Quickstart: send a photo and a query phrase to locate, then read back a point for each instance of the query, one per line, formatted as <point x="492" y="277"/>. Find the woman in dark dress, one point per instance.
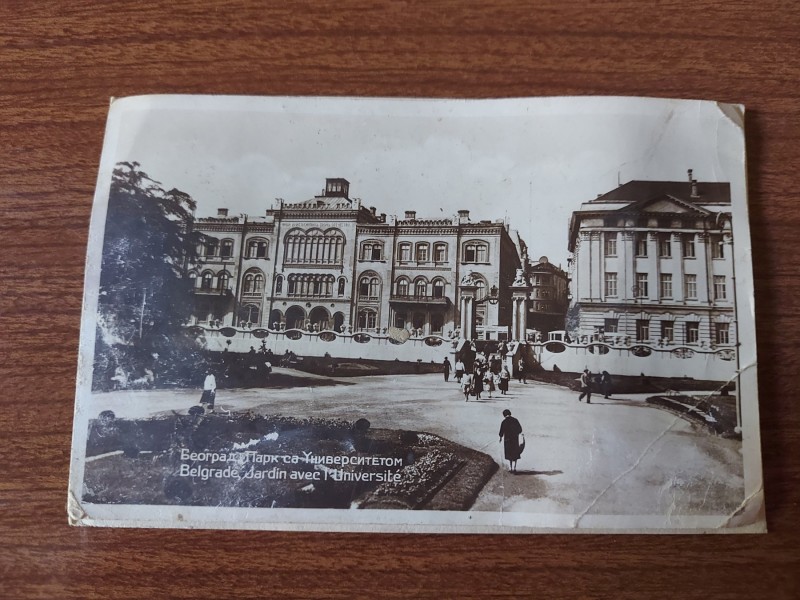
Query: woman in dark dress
<point x="510" y="430"/>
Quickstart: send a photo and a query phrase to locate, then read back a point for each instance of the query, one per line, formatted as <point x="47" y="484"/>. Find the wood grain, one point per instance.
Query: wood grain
<point x="59" y="64"/>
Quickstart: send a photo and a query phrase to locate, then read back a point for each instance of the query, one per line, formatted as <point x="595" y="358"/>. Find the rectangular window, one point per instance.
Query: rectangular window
<point x="377" y="252"/>
<point x="611" y="284"/>
<point x="611" y="325"/>
<point x="641" y="244"/>
<point x="611" y="244"/>
<point x="642" y="330"/>
<point x="665" y="246"/>
<point x="668" y="331"/>
<point x="440" y="253"/>
<point x="422" y="253"/>
<point x="405" y="252"/>
<point x="483" y="253"/>
<point x="665" y="285"/>
<point x="641" y="285"/>
<point x="690" y="287"/>
<point x="687" y="246"/>
<point x="723" y="333"/>
<point x="720" y="288"/>
<point x="717" y="247"/>
<point x="692" y="332"/>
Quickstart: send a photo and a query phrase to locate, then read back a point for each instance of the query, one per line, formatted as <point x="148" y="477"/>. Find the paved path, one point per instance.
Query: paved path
<point x="616" y="456"/>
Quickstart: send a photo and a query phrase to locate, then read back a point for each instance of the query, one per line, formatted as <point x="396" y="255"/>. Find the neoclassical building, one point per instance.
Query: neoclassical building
<point x="330" y="263"/>
<point x="653" y="262"/>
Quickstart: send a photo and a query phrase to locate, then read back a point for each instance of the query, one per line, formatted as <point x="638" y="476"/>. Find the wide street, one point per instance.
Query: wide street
<point x="612" y="457"/>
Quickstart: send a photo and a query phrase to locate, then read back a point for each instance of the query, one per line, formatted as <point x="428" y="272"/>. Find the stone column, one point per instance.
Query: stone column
<point x="468" y="311"/>
<point x="520" y="290"/>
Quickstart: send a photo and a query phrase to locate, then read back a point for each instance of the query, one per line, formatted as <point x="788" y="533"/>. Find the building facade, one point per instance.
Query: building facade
<point x="549" y="296"/>
<point x="653" y="264"/>
<point x="331" y="264"/>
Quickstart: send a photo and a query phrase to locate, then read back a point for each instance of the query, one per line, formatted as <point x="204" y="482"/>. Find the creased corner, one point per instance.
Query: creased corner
<point x="750" y="513"/>
<point x="734" y="113"/>
<point x="75" y="512"/>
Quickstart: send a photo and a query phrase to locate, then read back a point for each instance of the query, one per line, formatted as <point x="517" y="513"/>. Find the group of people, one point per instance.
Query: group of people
<point x="486" y="375"/>
<point x="589" y="383"/>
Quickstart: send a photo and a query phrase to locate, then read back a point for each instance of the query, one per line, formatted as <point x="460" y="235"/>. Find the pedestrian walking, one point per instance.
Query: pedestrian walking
<point x="477" y="382"/>
<point x="605" y="384"/>
<point x="505" y="377"/>
<point x="586" y="386"/>
<point x="488" y="381"/>
<point x="510" y="432"/>
<point x="459" y="370"/>
<point x="521" y="371"/>
<point x="446" y="369"/>
<point x="209" y="390"/>
<point x="466" y="386"/>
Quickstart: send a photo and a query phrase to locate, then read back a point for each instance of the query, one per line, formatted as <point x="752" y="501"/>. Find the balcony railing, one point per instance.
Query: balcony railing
<point x="213" y="291"/>
<point x="415" y="299"/>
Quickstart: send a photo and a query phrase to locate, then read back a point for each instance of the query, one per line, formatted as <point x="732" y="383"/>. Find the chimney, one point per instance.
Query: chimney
<point x="372" y="210"/>
<point x="690" y="175"/>
<point x="695" y="194"/>
<point x="463" y="214"/>
<point x="222" y="212"/>
<point x="383" y="218"/>
<point x="411" y="214"/>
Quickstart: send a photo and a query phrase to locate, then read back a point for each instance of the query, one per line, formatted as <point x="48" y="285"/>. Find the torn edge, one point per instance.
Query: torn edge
<point x="733" y="112"/>
<point x="75" y="512"/>
<point x="749" y="512"/>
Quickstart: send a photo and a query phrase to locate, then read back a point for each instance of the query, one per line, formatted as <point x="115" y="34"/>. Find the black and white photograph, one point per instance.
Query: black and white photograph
<point x="352" y="314"/>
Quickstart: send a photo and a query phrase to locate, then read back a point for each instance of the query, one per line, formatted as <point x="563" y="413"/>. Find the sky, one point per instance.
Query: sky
<point x="530" y="161"/>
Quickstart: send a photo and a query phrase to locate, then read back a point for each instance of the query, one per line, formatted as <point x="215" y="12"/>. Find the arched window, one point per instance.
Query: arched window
<point x="480" y="309"/>
<point x="279" y="284"/>
<point x="405" y="252"/>
<point x="211" y="247"/>
<point x="402" y="286"/>
<point x="367" y="318"/>
<point x="310" y="285"/>
<point x="223" y="281"/>
<point x="257" y="248"/>
<point x="369" y="286"/>
<point x="253" y="283"/>
<point x="420" y="288"/>
<point x="438" y="288"/>
<point x="476" y="252"/>
<point x="440" y="252"/>
<point x="372" y="250"/>
<point x="341" y="289"/>
<point x="422" y="252"/>
<point x="314" y="247"/>
<point x="226" y="249"/>
<point x="207" y="280"/>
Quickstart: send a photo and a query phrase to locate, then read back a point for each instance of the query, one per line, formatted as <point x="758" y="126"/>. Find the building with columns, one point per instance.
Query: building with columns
<point x="330" y="263"/>
<point x="653" y="263"/>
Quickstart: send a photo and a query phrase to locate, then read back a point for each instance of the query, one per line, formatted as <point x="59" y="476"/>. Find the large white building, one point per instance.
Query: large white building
<point x="331" y="264"/>
<point x="653" y="264"/>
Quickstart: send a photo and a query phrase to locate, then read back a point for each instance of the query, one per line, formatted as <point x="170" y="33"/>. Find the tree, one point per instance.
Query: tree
<point x="145" y="297"/>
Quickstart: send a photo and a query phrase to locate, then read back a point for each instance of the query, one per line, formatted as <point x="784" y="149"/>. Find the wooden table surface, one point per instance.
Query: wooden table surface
<point x="59" y="64"/>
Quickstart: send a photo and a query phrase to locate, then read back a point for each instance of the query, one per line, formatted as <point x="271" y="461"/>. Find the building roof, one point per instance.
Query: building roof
<point x="707" y="192"/>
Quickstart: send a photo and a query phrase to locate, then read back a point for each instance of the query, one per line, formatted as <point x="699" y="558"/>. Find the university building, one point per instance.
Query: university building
<point x="331" y="264"/>
<point x="653" y="263"/>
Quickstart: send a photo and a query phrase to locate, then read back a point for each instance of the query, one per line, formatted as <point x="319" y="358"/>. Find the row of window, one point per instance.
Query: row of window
<point x="328" y="248"/>
<point x="664" y="245"/>
<point x="367" y="318"/>
<point x="691" y="330"/>
<point x="256" y="248"/>
<point x="642" y="289"/>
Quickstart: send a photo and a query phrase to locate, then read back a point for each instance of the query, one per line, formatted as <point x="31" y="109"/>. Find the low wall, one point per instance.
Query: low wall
<point x="375" y="345"/>
<point x="654" y="361"/>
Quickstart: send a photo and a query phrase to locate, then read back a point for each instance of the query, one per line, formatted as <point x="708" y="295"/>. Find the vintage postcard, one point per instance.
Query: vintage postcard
<point x="354" y="314"/>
